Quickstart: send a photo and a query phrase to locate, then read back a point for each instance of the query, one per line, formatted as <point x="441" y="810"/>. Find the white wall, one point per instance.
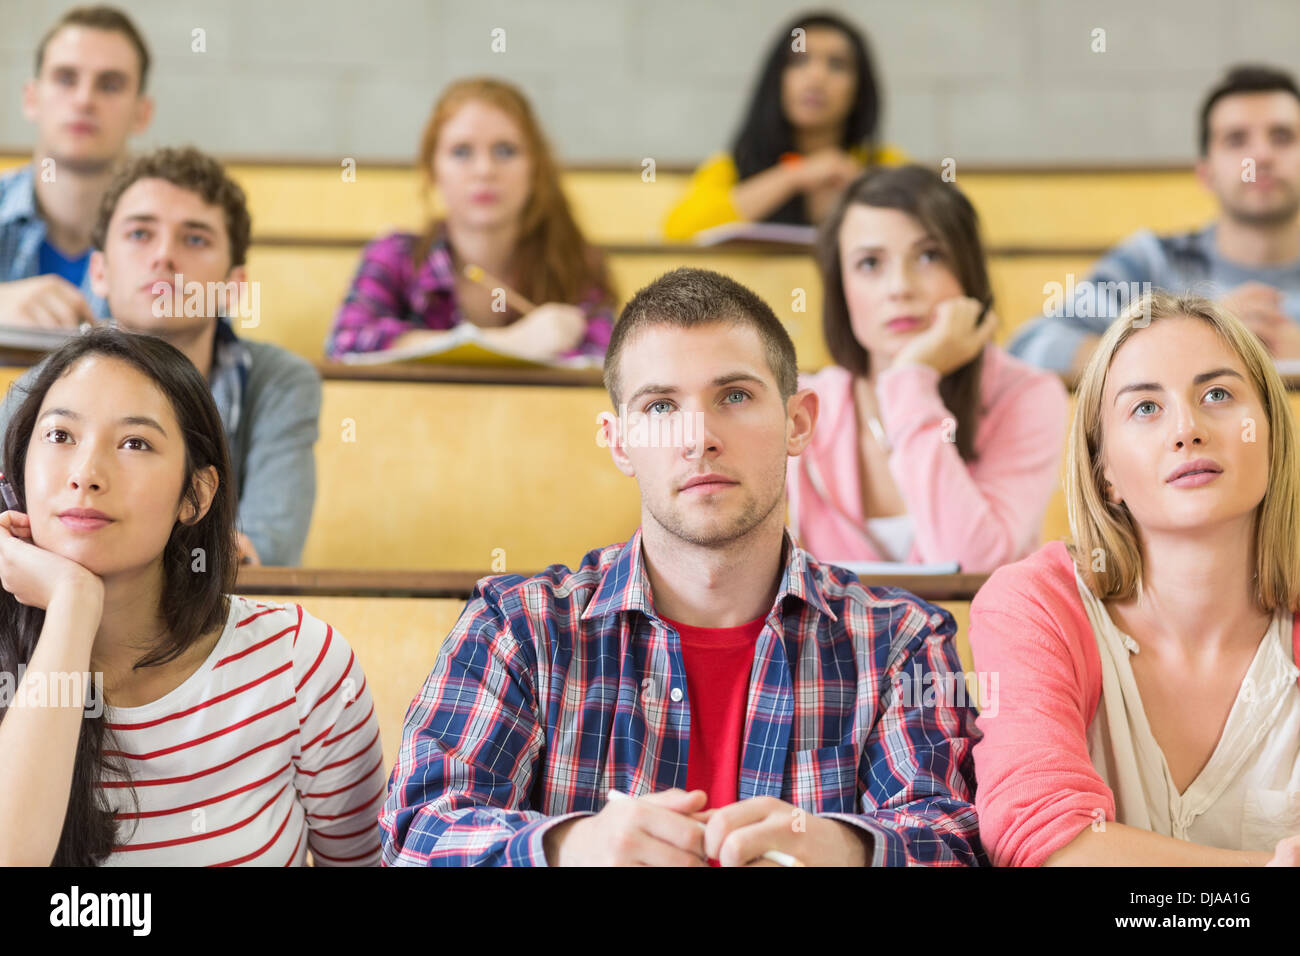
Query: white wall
<point x="983" y="81"/>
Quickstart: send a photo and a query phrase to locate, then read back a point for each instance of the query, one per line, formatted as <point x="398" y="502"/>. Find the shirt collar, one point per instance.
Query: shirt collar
<point x="625" y="586"/>
<point x="225" y="335"/>
<point x="229" y="351"/>
<point x="18" y="201"/>
<point x="800" y="579"/>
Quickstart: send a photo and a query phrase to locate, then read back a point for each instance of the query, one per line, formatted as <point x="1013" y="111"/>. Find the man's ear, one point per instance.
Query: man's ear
<point x="801" y="411"/>
<point x="99" y="273"/>
<point x="29" y="101"/>
<point x="143" y="114"/>
<point x="237" y="274"/>
<point x="611" y="436"/>
<point x="205" y="489"/>
<point x="1202" y="170"/>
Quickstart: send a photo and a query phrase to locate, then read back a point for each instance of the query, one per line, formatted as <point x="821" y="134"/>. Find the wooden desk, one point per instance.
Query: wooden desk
<point x="468" y="374"/>
<point x="20" y="358"/>
<point x="369" y="583"/>
<point x="20" y="361"/>
<point x="356" y="582"/>
<point x="486" y="375"/>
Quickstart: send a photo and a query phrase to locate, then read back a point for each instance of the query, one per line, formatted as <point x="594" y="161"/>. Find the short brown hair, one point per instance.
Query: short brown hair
<point x="947" y="215"/>
<point x="1248" y="78"/>
<point x="686" y="298"/>
<point x="110" y="19"/>
<point x="192" y="170"/>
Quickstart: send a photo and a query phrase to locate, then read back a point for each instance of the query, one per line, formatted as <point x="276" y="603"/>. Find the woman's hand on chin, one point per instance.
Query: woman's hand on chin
<point x="956" y="336"/>
<point x="37" y="577"/>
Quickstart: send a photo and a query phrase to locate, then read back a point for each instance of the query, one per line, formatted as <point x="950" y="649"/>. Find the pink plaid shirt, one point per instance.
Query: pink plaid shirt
<point x="390" y="295"/>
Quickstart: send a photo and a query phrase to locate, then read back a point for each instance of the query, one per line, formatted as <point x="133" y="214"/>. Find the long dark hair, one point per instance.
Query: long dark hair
<point x="192" y="604"/>
<point x="947" y="215"/>
<point x="766" y="134"/>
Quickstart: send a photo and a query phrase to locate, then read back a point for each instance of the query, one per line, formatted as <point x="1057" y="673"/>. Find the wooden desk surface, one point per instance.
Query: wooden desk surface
<point x="325" y="582"/>
<point x="487" y="375"/>
<point x="474" y="374"/>
<point x="469" y="374"/>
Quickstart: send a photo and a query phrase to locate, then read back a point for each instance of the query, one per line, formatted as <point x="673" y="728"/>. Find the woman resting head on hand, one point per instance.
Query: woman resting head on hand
<point x="933" y="444"/>
<point x="121" y="564"/>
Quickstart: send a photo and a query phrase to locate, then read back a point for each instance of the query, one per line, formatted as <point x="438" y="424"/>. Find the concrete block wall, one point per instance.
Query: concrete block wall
<point x="614" y="81"/>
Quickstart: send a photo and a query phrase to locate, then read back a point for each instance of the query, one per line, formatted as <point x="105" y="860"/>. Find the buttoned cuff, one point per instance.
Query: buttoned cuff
<point x="525" y="847"/>
<point x="886" y="845"/>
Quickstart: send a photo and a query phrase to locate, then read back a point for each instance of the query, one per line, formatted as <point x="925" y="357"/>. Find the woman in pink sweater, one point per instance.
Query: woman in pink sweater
<point x="1148" y="709"/>
<point x="933" y="444"/>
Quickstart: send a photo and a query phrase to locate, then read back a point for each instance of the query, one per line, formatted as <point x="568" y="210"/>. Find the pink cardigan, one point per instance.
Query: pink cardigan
<point x="983" y="514"/>
<point x="1036" y="787"/>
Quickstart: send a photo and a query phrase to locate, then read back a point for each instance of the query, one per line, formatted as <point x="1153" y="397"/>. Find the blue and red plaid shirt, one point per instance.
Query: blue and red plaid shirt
<point x="551" y="690"/>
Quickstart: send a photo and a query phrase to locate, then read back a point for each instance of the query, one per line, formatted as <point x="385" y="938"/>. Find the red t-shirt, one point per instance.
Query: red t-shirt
<point x="718" y="662"/>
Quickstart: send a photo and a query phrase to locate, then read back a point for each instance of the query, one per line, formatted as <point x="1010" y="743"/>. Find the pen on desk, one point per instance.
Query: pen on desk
<point x="488" y="281"/>
<point x="776" y="856"/>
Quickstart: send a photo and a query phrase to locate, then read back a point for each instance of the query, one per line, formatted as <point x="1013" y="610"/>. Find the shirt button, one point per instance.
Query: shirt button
<point x="675" y="694"/>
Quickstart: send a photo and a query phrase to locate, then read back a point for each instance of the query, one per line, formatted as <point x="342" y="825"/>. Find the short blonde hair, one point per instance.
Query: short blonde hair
<point x="1098" y="525"/>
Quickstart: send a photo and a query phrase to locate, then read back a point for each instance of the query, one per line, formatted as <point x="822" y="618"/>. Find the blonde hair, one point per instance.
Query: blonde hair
<point x="1100" y="526"/>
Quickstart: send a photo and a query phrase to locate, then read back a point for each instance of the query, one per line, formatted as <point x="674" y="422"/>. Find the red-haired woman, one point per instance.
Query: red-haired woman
<point x="484" y="153"/>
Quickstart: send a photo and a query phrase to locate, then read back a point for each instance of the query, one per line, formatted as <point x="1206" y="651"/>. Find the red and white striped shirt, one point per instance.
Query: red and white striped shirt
<point x="271" y="747"/>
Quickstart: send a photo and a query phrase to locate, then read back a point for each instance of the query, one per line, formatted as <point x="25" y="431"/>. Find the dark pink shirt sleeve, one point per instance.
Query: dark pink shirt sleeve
<point x="600" y="323"/>
<point x="1036" y="786"/>
<point x="374" y="312"/>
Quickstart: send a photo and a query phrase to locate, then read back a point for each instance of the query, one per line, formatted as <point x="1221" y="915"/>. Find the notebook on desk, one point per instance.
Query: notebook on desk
<point x="27" y="338"/>
<point x="465" y="345"/>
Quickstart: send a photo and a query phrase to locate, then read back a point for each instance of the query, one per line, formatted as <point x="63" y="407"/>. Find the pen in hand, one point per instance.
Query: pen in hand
<point x="775" y="856"/>
<point x="10" y="498"/>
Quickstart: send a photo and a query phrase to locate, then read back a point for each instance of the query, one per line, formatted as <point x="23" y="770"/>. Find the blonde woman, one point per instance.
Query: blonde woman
<point x="1149" y="711"/>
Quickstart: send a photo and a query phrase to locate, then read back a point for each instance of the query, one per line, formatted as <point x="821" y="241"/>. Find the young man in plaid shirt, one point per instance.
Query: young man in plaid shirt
<point x="748" y="698"/>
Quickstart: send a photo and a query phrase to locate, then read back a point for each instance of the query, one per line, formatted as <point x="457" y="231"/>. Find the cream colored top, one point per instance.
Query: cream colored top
<point x="894" y="534"/>
<point x="1247" y="796"/>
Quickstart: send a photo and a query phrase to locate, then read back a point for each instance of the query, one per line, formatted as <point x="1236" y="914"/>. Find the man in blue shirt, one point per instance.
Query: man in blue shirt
<point x="170" y="245"/>
<point x="86" y="99"/>
<point x="1248" y="259"/>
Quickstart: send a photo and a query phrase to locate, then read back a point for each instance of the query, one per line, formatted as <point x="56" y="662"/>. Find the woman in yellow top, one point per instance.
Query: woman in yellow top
<point x="808" y="133"/>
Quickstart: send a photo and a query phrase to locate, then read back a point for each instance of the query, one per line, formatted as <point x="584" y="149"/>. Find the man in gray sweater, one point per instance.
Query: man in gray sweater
<point x="170" y="245"/>
<point x="1248" y="258"/>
